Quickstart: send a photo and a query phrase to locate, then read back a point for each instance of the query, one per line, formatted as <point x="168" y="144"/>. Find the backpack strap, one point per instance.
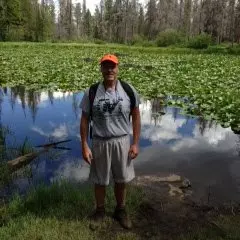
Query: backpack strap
<point x="127" y="88"/>
<point x="91" y="96"/>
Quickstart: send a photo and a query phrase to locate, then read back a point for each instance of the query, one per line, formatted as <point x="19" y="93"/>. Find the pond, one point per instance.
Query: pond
<point x="171" y="143"/>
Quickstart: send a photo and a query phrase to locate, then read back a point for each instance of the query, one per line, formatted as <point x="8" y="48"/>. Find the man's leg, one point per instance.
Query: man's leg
<point x="123" y="172"/>
<point x="99" y="175"/>
<point x="120" y="194"/>
<point x="120" y="213"/>
<point x="100" y="192"/>
<point x="98" y="216"/>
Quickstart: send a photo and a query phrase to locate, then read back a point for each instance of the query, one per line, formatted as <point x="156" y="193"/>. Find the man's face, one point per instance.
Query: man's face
<point x="109" y="70"/>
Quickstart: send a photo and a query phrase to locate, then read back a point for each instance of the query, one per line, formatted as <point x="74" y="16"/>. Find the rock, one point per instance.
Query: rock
<point x="185" y="184"/>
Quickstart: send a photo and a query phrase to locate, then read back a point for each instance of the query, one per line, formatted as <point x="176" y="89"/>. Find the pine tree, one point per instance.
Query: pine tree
<point x="9" y="16"/>
<point x="237" y="22"/>
<point x="187" y="17"/>
<point x="141" y="20"/>
<point x="151" y="20"/>
<point x="78" y="18"/>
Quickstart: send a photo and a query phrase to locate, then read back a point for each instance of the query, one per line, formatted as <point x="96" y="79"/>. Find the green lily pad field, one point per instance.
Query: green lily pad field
<point x="202" y="84"/>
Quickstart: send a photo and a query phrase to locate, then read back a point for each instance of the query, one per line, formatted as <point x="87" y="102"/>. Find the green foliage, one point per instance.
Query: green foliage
<point x="26" y="20"/>
<point x="59" y="200"/>
<point x="209" y="81"/>
<point x="5" y="176"/>
<point x="66" y="200"/>
<point x="9" y="16"/>
<point x="137" y="40"/>
<point x="169" y="37"/>
<point x="10" y="153"/>
<point x="148" y="44"/>
<point x="216" y="49"/>
<point x="235" y="50"/>
<point x="99" y="41"/>
<point x="224" y="227"/>
<point x="60" y="211"/>
<point x="201" y="41"/>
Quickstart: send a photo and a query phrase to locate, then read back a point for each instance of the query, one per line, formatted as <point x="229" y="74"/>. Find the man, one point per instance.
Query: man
<point x="111" y="149"/>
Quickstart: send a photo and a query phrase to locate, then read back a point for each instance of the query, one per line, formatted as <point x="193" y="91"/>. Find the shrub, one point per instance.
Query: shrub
<point x="235" y="50"/>
<point x="201" y="41"/>
<point x="216" y="50"/>
<point x="148" y="44"/>
<point x="136" y="40"/>
<point x="169" y="37"/>
<point x="99" y="41"/>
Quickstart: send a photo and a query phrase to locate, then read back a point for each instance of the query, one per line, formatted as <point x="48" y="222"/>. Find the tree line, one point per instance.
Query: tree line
<point x="120" y="21"/>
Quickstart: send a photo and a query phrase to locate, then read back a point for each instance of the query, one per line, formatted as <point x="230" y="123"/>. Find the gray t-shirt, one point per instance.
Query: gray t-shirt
<point x="110" y="112"/>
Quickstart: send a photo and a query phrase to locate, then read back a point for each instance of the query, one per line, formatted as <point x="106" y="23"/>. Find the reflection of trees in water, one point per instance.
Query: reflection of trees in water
<point x="176" y="112"/>
<point x="30" y="98"/>
<point x="3" y="136"/>
<point x="34" y="99"/>
<point x="158" y="110"/>
<point x="18" y="92"/>
<point x="75" y="105"/>
<point x="1" y="100"/>
<point x="205" y="124"/>
<point x="2" y="131"/>
<point x="238" y="145"/>
<point x="50" y="97"/>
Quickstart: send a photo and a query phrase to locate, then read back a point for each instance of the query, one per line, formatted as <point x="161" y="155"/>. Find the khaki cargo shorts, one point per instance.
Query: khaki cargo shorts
<point x="111" y="156"/>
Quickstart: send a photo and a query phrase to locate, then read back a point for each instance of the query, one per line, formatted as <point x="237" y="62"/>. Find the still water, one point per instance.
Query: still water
<point x="171" y="143"/>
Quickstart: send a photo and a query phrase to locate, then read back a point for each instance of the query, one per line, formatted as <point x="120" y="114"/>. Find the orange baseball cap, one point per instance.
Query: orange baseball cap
<point x="109" y="57"/>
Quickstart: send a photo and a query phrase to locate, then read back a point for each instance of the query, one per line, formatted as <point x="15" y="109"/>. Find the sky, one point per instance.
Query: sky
<point x="91" y="4"/>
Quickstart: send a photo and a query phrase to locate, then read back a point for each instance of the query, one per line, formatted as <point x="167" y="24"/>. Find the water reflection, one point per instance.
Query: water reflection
<point x="170" y="142"/>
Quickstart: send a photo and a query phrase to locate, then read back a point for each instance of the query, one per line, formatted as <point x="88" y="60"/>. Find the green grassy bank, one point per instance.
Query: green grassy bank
<point x="60" y="212"/>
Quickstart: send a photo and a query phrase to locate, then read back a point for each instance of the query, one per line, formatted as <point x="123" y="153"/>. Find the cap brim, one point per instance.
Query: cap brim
<point x="108" y="60"/>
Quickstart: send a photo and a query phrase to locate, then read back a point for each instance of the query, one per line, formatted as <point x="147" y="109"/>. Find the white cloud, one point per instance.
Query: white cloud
<point x="213" y="135"/>
<point x="60" y="132"/>
<point x="164" y="129"/>
<point x="216" y="137"/>
<point x="40" y="131"/>
<point x="72" y="171"/>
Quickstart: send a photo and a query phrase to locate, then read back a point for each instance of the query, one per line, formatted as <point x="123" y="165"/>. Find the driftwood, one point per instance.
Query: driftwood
<point x="24" y="160"/>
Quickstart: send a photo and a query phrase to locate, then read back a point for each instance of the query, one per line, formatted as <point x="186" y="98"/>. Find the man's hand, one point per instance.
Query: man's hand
<point x="133" y="151"/>
<point x="87" y="154"/>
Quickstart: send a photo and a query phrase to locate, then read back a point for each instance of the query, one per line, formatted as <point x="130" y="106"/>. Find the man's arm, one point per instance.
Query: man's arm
<point x="136" y="125"/>
<point x="84" y="126"/>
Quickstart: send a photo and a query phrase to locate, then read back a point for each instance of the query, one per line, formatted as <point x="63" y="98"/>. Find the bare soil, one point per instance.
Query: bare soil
<point x="169" y="212"/>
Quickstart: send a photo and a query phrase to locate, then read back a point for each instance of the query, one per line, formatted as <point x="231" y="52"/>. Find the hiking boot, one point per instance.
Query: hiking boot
<point x="123" y="218"/>
<point x="97" y="218"/>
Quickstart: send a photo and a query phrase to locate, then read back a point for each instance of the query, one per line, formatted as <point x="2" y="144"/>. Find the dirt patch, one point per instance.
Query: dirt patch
<point x="168" y="210"/>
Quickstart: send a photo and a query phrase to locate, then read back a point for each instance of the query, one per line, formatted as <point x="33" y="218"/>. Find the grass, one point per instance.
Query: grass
<point x="224" y="228"/>
<point x="174" y="49"/>
<point x="60" y="212"/>
<point x="9" y="152"/>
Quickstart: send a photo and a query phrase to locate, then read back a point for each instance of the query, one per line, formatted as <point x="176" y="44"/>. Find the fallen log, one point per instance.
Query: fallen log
<point x="24" y="160"/>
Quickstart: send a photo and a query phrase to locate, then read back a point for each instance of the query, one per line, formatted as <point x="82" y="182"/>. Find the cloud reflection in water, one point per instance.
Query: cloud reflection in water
<point x="170" y="142"/>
